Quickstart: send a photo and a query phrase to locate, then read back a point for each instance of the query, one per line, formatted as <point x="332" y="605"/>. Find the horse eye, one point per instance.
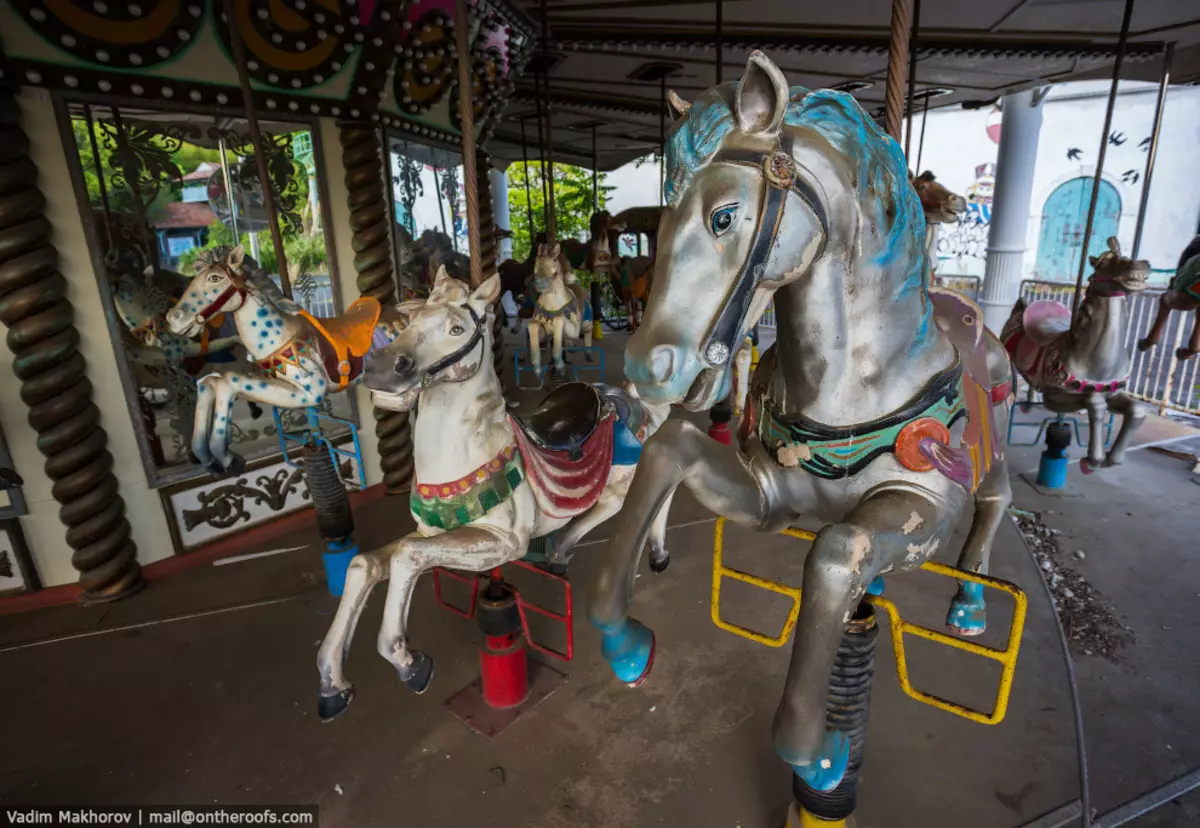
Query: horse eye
<point x="458" y="330"/>
<point x="216" y="277"/>
<point x="722" y="219"/>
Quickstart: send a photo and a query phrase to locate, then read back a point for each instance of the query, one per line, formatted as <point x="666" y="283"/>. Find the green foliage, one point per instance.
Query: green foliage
<point x="572" y="201"/>
<point x="305" y="251"/>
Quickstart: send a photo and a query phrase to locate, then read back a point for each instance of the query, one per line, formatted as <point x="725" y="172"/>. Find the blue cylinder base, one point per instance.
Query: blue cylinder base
<point x="337" y="559"/>
<point x="1052" y="471"/>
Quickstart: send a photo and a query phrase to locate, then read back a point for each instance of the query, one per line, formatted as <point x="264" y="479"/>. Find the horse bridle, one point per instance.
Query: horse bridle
<point x="214" y="307"/>
<point x="450" y="360"/>
<point x="779" y="170"/>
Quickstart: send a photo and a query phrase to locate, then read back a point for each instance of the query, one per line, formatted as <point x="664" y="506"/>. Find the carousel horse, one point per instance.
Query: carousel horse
<point x="515" y="277"/>
<point x="940" y="206"/>
<point x="429" y="252"/>
<point x="297" y="358"/>
<point x="1082" y="363"/>
<point x="596" y="254"/>
<point x="1182" y="294"/>
<point x="881" y="404"/>
<point x="563" y="310"/>
<point x="484" y="482"/>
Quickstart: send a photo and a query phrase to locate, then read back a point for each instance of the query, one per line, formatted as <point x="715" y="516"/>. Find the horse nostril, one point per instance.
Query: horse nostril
<point x="662" y="361"/>
<point x="403" y="365"/>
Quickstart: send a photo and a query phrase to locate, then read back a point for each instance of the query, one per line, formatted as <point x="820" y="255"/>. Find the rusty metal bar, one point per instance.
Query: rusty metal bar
<point x="1108" y="113"/>
<point x="1163" y="82"/>
<point x="552" y="223"/>
<point x="260" y="158"/>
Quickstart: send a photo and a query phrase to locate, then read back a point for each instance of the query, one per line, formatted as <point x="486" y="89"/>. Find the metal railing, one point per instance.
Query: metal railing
<point x="1157" y="375"/>
<point x="969" y="286"/>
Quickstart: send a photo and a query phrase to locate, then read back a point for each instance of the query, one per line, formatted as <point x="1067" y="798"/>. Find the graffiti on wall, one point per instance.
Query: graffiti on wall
<point x="967" y="238"/>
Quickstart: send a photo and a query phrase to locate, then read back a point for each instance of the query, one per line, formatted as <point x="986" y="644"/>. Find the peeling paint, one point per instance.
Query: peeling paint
<point x="914" y="523"/>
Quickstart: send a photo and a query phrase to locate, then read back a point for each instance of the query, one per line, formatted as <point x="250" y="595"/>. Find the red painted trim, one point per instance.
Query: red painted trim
<point x="206" y="554"/>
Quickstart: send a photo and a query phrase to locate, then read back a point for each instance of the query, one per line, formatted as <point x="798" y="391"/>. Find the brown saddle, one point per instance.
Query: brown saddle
<point x="344" y="340"/>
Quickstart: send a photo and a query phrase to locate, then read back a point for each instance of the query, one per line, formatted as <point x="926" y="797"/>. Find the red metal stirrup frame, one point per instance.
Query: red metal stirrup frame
<point x="567" y="618"/>
<point x="471" y="579"/>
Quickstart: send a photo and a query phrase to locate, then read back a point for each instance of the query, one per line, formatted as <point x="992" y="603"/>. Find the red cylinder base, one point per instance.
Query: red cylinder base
<point x="504" y="670"/>
<point x="721" y="433"/>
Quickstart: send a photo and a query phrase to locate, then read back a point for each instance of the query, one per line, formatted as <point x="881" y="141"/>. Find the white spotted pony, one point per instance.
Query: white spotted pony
<point x="297" y="359"/>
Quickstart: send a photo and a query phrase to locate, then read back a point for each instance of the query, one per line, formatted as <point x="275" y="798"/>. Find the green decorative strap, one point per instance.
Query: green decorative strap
<point x="458" y="503"/>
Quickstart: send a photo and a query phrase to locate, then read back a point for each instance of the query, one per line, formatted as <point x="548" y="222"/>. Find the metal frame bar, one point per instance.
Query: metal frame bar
<point x="1163" y="82"/>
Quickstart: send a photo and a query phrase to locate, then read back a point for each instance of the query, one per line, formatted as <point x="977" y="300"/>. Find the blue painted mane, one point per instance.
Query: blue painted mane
<point x="880" y="172"/>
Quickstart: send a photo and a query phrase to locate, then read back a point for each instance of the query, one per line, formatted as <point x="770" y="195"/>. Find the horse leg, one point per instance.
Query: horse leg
<point x="1193" y="346"/>
<point x="560" y="322"/>
<point x="472" y="548"/>
<point x="1097" y="408"/>
<point x="1160" y="322"/>
<point x="886" y="530"/>
<point x="721" y="480"/>
<point x="535" y="347"/>
<point x="225" y="462"/>
<point x="206" y="395"/>
<point x="1132" y="414"/>
<point x="365" y="571"/>
<point x="660" y="559"/>
<point x="968" y="609"/>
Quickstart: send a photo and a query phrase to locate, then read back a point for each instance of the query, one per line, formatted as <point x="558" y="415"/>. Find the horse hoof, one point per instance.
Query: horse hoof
<point x="658" y="565"/>
<point x="330" y="707"/>
<point x="1184" y="354"/>
<point x="1025" y="407"/>
<point x="1087" y="466"/>
<point x="419" y="673"/>
<point x="234" y="466"/>
<point x="628" y="647"/>
<point x="968" y="610"/>
<point x="827" y="771"/>
<point x="255" y="410"/>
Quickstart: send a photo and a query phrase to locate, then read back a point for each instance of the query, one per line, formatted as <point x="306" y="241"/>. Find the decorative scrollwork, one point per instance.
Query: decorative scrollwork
<point x="115" y="34"/>
<point x="450" y="189"/>
<point x="294" y="44"/>
<point x="426" y="71"/>
<point x="142" y="157"/>
<point x="286" y="184"/>
<point x="225" y="506"/>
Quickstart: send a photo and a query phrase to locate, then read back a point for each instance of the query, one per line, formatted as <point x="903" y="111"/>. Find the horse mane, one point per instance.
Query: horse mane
<point x="879" y="169"/>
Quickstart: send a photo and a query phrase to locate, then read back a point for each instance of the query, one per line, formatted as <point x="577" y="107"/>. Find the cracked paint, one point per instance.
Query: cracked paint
<point x="914" y="523"/>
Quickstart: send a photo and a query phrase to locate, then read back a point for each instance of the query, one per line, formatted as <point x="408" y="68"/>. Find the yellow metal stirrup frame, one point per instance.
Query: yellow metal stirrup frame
<point x="1007" y="656"/>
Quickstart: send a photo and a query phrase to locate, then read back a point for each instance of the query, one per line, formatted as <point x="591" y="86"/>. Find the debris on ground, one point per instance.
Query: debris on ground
<point x="1089" y="624"/>
<point x="338" y="788"/>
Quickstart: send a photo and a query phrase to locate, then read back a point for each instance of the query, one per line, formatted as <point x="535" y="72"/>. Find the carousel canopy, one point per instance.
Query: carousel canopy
<point x="608" y="58"/>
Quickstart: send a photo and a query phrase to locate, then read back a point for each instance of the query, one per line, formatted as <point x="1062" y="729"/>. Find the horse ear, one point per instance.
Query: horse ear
<point x="1114" y="245"/>
<point x="677" y="106"/>
<point x="1095" y="260"/>
<point x="927" y="176"/>
<point x="762" y="96"/>
<point x="441" y="274"/>
<point x="486" y="293"/>
<point x="236" y="256"/>
<point x="199" y="265"/>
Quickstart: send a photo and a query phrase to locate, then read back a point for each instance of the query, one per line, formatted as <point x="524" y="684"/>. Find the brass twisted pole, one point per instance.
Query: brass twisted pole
<point x="897" y="67"/>
<point x="466" y="117"/>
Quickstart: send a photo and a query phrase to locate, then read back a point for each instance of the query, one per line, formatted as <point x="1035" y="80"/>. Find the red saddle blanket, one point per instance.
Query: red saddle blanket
<point x="563" y="487"/>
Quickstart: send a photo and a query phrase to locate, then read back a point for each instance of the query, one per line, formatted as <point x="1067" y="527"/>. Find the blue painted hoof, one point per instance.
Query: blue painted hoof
<point x="968" y="610"/>
<point x="876" y="586"/>
<point x="628" y="647"/>
<point x="826" y="771"/>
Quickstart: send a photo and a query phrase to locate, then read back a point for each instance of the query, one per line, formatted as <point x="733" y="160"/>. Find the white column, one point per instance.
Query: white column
<point x="500" y="214"/>
<point x="1019" y="128"/>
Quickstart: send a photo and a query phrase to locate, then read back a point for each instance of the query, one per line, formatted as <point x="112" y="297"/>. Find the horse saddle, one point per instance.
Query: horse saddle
<point x="567" y="448"/>
<point x="565" y="420"/>
<point x="344" y="340"/>
<point x="1045" y="321"/>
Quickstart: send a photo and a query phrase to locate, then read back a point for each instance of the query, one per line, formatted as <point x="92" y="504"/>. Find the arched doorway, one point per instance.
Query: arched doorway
<point x="1063" y="221"/>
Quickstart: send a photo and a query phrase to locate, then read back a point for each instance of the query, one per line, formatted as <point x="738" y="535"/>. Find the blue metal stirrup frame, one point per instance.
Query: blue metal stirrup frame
<point x="779" y="173"/>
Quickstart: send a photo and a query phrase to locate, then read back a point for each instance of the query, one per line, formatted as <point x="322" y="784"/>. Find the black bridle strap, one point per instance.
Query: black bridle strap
<point x="778" y="170"/>
<point x="453" y="359"/>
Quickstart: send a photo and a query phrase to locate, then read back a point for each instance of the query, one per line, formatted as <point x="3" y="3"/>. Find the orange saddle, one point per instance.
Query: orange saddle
<point x="344" y="340"/>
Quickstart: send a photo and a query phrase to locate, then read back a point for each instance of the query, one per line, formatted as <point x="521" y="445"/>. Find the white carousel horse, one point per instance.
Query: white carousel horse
<point x="484" y="482"/>
<point x="297" y="358"/>
<point x="563" y="310"/>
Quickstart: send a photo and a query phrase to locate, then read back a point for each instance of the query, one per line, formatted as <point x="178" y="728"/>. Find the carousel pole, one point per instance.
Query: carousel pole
<point x="466" y="117"/>
<point x="1160" y="104"/>
<point x="897" y="66"/>
<point x="1108" y="114"/>
<point x="597" y="328"/>
<point x="537" y="94"/>
<point x="528" y="197"/>
<point x="921" y="143"/>
<point x="912" y="79"/>
<point x="260" y="157"/>
<point x="721" y="414"/>
<point x="552" y="223"/>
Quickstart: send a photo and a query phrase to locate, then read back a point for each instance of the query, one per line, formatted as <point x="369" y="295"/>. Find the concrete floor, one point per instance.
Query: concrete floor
<point x="221" y="707"/>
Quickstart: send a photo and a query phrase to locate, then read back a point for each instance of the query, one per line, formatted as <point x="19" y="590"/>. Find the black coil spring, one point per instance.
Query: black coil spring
<point x="328" y="493"/>
<point x="847" y="710"/>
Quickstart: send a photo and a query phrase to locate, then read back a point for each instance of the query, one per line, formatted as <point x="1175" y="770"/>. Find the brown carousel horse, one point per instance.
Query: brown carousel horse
<point x="940" y="206"/>
<point x="1183" y="294"/>
<point x="515" y="276"/>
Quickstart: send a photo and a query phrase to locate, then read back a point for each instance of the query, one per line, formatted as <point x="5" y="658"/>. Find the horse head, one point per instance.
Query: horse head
<point x="441" y="339"/>
<point x="549" y="266"/>
<point x="219" y="286"/>
<point x="1114" y="274"/>
<point x="141" y="306"/>
<point x="940" y="205"/>
<point x="764" y="187"/>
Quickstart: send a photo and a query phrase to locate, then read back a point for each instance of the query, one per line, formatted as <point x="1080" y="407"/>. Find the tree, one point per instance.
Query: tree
<point x="572" y="201"/>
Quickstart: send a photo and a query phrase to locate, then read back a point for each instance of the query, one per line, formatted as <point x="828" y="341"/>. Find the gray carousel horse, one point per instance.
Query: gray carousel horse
<point x="1082" y="363"/>
<point x="879" y="411"/>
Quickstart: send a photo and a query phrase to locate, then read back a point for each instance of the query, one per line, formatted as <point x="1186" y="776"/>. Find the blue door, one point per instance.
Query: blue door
<point x="1063" y="221"/>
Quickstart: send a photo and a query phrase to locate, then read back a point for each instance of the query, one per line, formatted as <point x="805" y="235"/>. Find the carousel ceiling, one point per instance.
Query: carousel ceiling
<point x="608" y="58"/>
